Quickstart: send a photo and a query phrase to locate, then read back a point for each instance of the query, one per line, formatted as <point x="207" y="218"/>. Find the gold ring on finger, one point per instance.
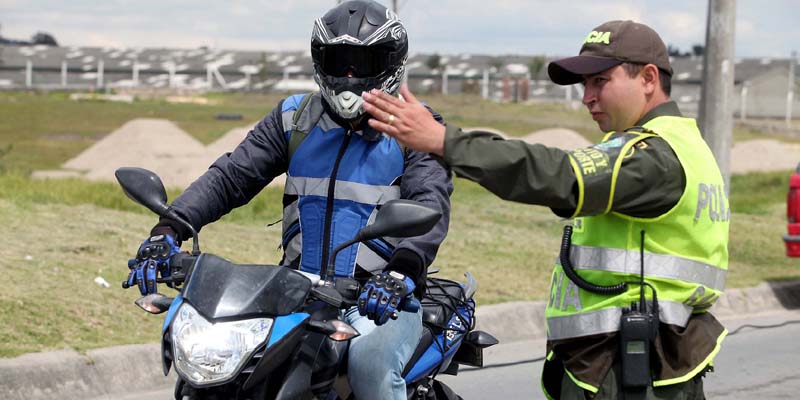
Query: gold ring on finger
<point x="391" y="119"/>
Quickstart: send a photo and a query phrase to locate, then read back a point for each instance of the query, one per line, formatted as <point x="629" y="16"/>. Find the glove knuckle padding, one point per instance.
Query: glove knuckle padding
<point x="152" y="259"/>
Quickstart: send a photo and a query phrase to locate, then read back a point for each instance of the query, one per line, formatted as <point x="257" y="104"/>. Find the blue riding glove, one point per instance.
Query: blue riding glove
<point x="383" y="294"/>
<point x="151" y="260"/>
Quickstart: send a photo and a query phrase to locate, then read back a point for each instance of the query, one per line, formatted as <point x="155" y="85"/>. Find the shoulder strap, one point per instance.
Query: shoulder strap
<point x="297" y="135"/>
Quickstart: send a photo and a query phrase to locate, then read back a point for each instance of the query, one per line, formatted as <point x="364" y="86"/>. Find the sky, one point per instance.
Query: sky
<point x="524" y="27"/>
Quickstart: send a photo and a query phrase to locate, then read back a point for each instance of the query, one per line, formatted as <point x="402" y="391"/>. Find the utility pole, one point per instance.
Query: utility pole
<point x="715" y="117"/>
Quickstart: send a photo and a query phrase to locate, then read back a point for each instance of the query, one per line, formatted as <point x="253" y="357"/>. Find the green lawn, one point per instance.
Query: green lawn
<point x="63" y="234"/>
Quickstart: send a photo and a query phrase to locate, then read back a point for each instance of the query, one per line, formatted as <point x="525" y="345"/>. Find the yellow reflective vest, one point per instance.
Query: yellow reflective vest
<point x="685" y="249"/>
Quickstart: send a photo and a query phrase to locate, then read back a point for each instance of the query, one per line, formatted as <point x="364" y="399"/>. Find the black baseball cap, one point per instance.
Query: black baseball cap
<point x="609" y="45"/>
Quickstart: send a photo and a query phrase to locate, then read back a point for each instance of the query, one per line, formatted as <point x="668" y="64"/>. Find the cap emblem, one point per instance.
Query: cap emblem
<point x="598" y="37"/>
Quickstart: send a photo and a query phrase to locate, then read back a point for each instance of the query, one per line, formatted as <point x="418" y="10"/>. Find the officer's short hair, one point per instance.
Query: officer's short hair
<point x="664" y="77"/>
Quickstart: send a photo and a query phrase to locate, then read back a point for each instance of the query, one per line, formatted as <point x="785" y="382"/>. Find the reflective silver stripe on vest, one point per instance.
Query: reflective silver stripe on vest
<point x="287" y="117"/>
<point x="366" y="258"/>
<point x="655" y="265"/>
<point x="293" y="250"/>
<point x="607" y="320"/>
<point x="369" y="260"/>
<point x="294" y="247"/>
<point x="345" y="190"/>
<point x="290" y="214"/>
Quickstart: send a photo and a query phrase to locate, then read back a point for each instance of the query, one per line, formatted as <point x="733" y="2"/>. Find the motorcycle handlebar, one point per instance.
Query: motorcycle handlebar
<point x="181" y="265"/>
<point x="411" y="305"/>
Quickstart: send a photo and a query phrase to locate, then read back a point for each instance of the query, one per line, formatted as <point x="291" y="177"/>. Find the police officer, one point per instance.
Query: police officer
<point x="649" y="197"/>
<point x="339" y="172"/>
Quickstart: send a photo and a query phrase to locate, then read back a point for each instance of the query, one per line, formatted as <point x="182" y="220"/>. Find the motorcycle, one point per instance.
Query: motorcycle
<point x="271" y="332"/>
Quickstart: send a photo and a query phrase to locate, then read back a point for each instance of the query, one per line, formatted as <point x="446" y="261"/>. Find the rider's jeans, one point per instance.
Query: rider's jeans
<point x="379" y="355"/>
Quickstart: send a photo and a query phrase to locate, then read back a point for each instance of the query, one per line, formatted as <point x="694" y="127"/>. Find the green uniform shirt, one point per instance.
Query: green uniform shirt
<point x="650" y="181"/>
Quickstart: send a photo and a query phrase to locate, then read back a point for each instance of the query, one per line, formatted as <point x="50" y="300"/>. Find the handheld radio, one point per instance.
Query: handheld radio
<point x="638" y="329"/>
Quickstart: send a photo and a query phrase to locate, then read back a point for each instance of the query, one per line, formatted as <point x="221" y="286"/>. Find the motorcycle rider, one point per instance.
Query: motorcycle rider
<point x="339" y="172"/>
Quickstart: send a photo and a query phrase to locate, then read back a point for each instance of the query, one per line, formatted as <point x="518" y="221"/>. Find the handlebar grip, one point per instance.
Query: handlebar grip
<point x="411" y="305"/>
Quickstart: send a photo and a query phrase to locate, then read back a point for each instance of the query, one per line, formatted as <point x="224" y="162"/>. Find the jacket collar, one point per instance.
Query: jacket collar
<point x="668" y="109"/>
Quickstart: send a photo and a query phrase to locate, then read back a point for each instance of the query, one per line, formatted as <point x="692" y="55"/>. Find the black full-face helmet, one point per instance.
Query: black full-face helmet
<point x="357" y="46"/>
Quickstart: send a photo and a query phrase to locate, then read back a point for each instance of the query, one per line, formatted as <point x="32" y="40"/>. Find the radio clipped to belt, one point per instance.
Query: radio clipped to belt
<point x="638" y="324"/>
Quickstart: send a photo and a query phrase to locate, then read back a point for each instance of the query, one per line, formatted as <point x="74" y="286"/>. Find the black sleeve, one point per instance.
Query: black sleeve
<point x="236" y="177"/>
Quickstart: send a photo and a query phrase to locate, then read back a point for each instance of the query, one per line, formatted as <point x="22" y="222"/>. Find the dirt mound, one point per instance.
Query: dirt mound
<point x="764" y="155"/>
<point x="561" y="138"/>
<point x="156" y="144"/>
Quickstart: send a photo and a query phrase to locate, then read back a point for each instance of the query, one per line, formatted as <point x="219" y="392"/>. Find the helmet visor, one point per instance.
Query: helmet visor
<point x="361" y="61"/>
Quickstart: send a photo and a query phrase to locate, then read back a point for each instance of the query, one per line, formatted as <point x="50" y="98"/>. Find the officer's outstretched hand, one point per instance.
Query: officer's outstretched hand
<point x="384" y="294"/>
<point x="151" y="260"/>
<point x="406" y="119"/>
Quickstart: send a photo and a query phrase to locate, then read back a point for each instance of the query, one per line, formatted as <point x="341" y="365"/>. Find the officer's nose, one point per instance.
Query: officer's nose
<point x="589" y="95"/>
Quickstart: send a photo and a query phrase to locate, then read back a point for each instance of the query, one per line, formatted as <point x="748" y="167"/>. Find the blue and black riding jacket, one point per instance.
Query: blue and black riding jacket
<point x="337" y="178"/>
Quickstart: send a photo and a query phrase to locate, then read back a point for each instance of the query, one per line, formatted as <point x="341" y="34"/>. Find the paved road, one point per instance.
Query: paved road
<point x="762" y="363"/>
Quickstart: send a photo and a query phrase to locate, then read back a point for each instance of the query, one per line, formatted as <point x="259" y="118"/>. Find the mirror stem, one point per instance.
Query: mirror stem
<point x="195" y="239"/>
<point x="331" y="269"/>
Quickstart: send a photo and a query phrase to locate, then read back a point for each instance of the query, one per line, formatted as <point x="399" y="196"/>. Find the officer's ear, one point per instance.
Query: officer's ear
<point x="649" y="76"/>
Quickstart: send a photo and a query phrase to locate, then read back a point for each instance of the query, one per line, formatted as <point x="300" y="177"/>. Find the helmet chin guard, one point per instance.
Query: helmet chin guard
<point x="347" y="105"/>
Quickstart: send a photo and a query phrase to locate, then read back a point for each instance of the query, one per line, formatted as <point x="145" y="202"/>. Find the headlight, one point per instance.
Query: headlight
<point x="208" y="353"/>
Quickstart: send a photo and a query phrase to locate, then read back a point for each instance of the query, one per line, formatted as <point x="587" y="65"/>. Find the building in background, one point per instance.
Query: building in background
<point x="762" y="84"/>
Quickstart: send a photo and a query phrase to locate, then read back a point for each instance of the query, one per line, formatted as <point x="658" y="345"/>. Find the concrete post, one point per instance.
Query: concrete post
<point x="790" y="92"/>
<point x="743" y="105"/>
<point x="100" y="68"/>
<point x="28" y="73"/>
<point x="444" y="81"/>
<point x="715" y="117"/>
<point x="135" y="74"/>
<point x="485" y="85"/>
<point x="171" y="71"/>
<point x="63" y="74"/>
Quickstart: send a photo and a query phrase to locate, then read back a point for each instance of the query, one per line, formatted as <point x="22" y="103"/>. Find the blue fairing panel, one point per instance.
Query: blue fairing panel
<point x="449" y="339"/>
<point x="284" y="325"/>
<point x="173" y="308"/>
<point x="431" y="359"/>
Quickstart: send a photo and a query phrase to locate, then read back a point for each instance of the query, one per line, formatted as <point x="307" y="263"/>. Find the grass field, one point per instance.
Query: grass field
<point x="61" y="234"/>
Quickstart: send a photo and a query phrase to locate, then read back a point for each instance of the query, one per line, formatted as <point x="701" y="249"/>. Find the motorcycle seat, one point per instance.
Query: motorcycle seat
<point x="440" y="301"/>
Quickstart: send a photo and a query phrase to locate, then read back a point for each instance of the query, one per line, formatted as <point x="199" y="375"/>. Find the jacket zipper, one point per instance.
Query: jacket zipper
<point x="329" y="211"/>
